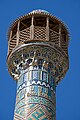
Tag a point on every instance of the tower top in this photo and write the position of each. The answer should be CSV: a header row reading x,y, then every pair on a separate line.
x,y
38,28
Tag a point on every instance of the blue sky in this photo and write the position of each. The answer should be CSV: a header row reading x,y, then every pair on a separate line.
x,y
68,91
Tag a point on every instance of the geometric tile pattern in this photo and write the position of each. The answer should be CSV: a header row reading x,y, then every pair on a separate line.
x,y
37,112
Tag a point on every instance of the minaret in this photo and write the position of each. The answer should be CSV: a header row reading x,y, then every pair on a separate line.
x,y
37,59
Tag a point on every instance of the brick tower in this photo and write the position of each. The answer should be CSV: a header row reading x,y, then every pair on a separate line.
x,y
37,59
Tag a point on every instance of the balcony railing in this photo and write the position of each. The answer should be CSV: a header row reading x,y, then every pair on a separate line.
x,y
39,33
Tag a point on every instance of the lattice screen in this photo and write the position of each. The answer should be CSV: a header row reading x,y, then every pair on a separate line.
x,y
39,33
54,37
24,35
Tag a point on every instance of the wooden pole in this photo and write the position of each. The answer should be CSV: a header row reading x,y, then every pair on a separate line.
x,y
60,35
9,40
17,35
47,29
32,28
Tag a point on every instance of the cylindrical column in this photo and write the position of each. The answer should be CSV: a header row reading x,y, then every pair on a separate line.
x,y
37,69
